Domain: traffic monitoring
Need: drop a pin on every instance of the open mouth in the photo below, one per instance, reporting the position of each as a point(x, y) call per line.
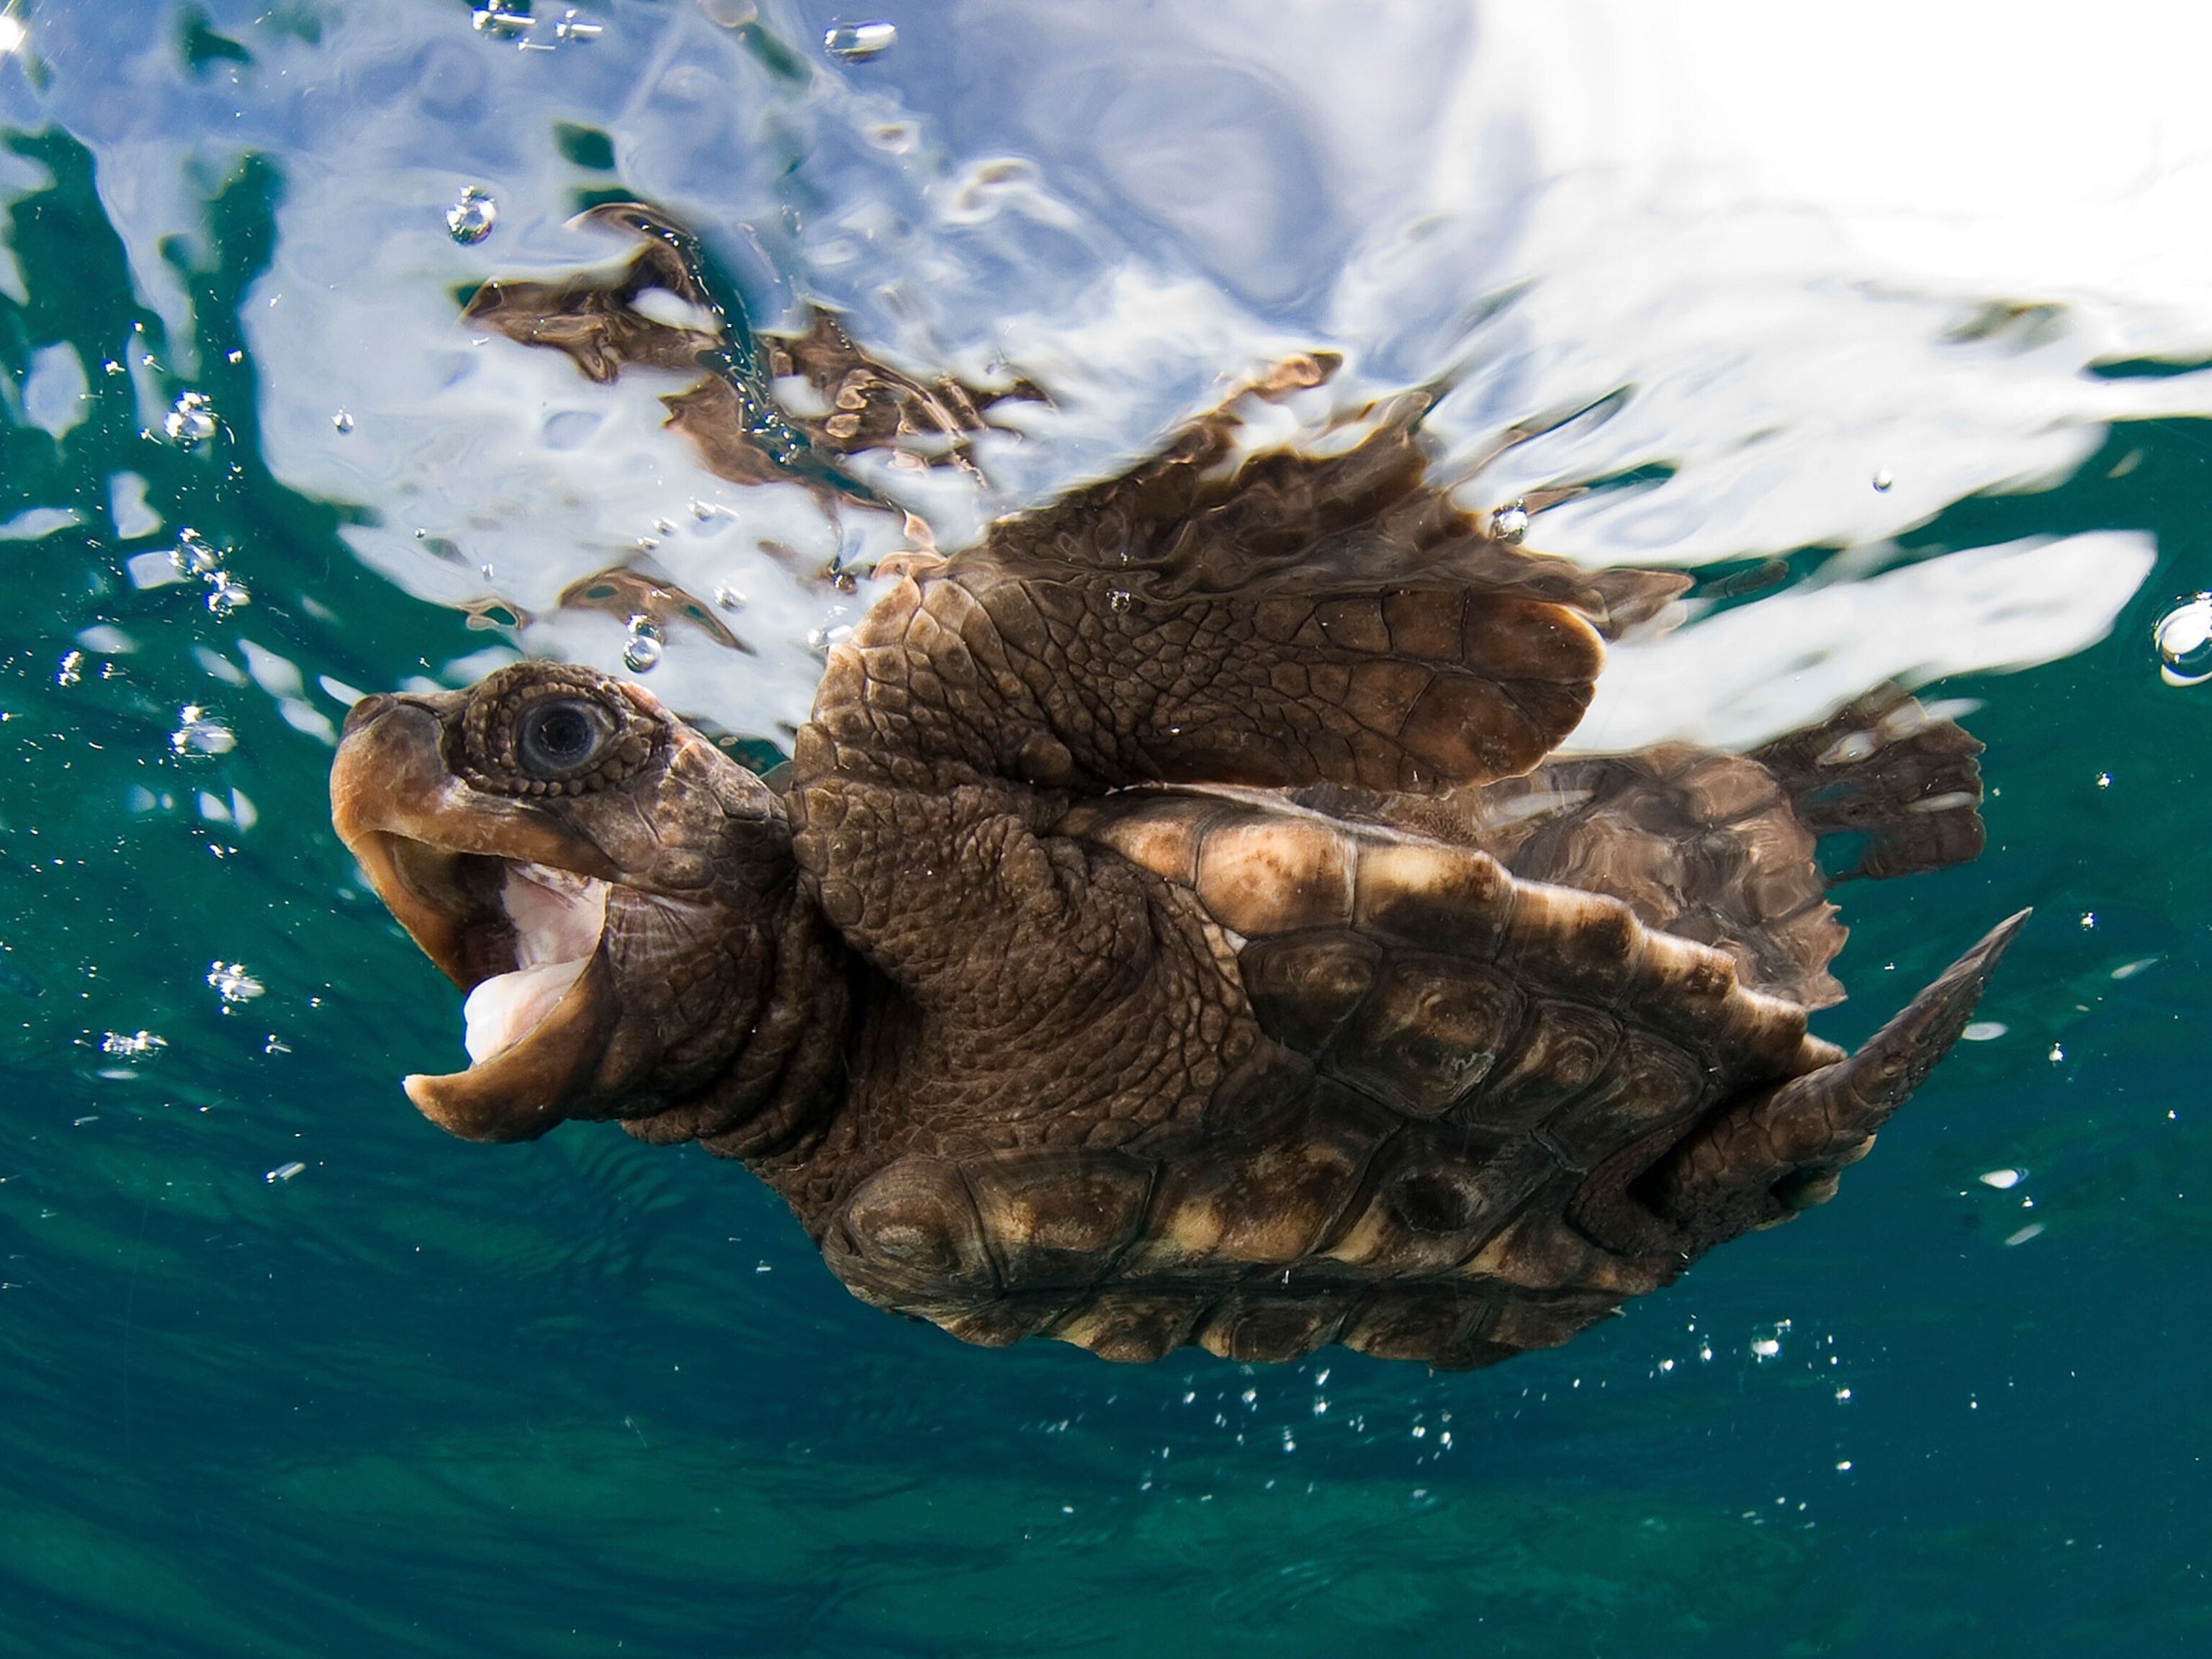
point(555, 919)
point(522, 939)
point(510, 903)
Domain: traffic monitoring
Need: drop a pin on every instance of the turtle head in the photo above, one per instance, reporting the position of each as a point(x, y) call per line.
point(606, 885)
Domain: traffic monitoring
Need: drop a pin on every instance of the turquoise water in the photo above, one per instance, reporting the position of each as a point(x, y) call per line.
point(285, 1371)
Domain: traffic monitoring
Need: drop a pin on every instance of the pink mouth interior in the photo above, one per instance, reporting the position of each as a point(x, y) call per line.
point(557, 919)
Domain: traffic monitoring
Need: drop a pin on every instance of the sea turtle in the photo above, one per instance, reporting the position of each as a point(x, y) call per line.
point(1170, 929)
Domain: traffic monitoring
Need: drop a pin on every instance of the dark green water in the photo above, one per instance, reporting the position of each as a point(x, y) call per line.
point(586, 1396)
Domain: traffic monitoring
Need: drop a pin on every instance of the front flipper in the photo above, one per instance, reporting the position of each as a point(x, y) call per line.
point(1196, 518)
point(1279, 620)
point(1300, 620)
point(1403, 688)
point(1769, 1154)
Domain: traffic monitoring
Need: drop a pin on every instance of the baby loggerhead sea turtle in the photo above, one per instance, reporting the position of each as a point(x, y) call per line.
point(1170, 929)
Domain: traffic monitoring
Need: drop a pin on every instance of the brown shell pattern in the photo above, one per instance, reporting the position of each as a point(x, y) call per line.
point(1458, 1049)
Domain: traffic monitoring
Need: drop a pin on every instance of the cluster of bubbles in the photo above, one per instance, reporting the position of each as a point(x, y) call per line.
point(191, 423)
point(233, 983)
point(515, 20)
point(194, 556)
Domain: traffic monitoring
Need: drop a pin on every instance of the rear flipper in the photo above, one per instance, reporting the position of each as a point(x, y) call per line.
point(1767, 1155)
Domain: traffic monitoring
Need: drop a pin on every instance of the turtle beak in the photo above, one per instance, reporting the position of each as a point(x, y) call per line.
point(509, 902)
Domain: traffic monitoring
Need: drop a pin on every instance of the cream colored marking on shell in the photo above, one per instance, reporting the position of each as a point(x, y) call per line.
point(1260, 878)
point(1285, 1235)
point(1088, 1326)
point(1368, 1239)
point(1683, 977)
point(1162, 837)
point(1193, 1229)
point(1570, 935)
point(1426, 893)
point(1759, 1031)
point(1260, 865)
point(1535, 1253)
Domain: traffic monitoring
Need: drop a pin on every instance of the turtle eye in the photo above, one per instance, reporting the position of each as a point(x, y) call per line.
point(558, 736)
point(550, 729)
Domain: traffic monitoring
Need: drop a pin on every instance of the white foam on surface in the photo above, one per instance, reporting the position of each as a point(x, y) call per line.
point(1780, 663)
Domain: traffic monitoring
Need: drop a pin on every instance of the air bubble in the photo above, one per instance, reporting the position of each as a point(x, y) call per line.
point(2002, 1180)
point(644, 645)
point(472, 217)
point(71, 668)
point(191, 556)
point(1882, 481)
point(342, 422)
point(1509, 523)
point(2183, 639)
point(1118, 599)
point(199, 734)
point(284, 1172)
point(858, 42)
point(1765, 1347)
point(191, 423)
point(233, 983)
point(503, 19)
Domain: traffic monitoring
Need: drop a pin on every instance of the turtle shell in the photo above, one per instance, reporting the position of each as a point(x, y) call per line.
point(1451, 1052)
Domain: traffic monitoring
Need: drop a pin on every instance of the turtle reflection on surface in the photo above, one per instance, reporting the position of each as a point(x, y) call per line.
point(1171, 929)
point(752, 398)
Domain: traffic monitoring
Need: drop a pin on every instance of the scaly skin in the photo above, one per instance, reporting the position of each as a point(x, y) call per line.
point(1050, 1012)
